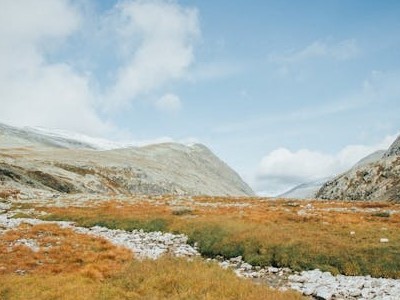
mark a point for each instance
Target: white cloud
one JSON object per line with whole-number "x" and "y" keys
{"x": 283, "y": 169}
{"x": 162, "y": 35}
{"x": 31, "y": 20}
{"x": 32, "y": 90}
{"x": 343, "y": 50}
{"x": 169, "y": 103}
{"x": 156, "y": 37}
{"x": 52, "y": 96}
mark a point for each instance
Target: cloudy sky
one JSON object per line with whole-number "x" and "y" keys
{"x": 284, "y": 91}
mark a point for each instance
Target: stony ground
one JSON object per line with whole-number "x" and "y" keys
{"x": 314, "y": 283}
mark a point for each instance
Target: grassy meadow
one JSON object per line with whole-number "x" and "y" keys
{"x": 340, "y": 237}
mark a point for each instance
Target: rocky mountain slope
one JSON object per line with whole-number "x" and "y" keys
{"x": 33, "y": 164}
{"x": 377, "y": 177}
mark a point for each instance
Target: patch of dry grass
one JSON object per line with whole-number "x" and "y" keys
{"x": 59, "y": 251}
{"x": 170, "y": 278}
{"x": 166, "y": 278}
{"x": 48, "y": 287}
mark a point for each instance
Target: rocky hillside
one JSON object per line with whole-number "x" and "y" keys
{"x": 375, "y": 178}
{"x": 34, "y": 165}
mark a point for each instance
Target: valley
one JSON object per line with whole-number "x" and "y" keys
{"x": 174, "y": 221}
{"x": 277, "y": 243}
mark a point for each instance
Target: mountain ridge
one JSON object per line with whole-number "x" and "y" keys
{"x": 37, "y": 165}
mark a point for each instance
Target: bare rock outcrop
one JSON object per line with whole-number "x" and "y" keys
{"x": 373, "y": 179}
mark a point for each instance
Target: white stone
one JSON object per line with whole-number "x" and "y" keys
{"x": 30, "y": 243}
{"x": 273, "y": 270}
{"x": 224, "y": 265}
{"x": 354, "y": 292}
{"x": 297, "y": 278}
{"x": 246, "y": 266}
{"x": 323, "y": 292}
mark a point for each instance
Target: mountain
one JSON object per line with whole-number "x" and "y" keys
{"x": 306, "y": 190}
{"x": 42, "y": 137}
{"x": 376, "y": 177}
{"x": 38, "y": 163}
{"x": 14, "y": 137}
{"x": 310, "y": 189}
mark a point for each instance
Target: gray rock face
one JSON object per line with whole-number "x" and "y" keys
{"x": 376, "y": 177}
{"x": 31, "y": 169}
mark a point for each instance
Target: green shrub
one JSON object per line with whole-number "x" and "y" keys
{"x": 381, "y": 214}
{"x": 208, "y": 239}
{"x": 21, "y": 215}
{"x": 157, "y": 224}
{"x": 180, "y": 211}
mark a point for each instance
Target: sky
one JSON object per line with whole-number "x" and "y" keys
{"x": 285, "y": 92}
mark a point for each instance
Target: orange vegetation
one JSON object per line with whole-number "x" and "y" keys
{"x": 59, "y": 251}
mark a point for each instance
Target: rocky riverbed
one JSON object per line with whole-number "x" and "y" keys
{"x": 316, "y": 284}
{"x": 323, "y": 285}
{"x": 142, "y": 244}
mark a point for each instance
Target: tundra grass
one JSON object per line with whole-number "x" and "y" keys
{"x": 339, "y": 237}
{"x": 49, "y": 249}
{"x": 66, "y": 265}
